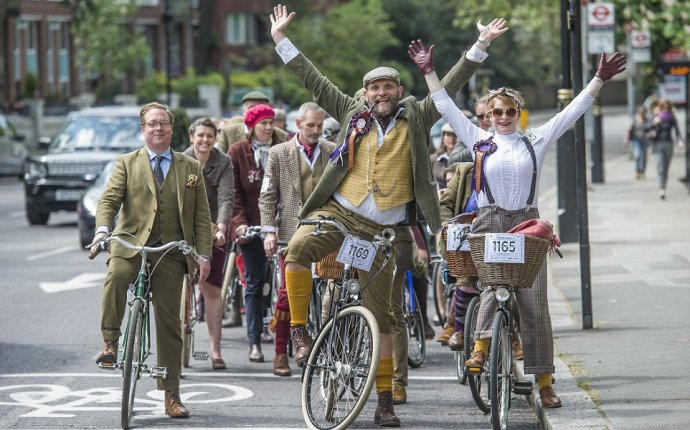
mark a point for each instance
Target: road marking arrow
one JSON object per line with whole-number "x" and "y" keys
{"x": 84, "y": 280}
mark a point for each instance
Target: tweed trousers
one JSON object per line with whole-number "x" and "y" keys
{"x": 532, "y": 303}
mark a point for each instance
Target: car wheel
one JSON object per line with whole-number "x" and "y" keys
{"x": 36, "y": 217}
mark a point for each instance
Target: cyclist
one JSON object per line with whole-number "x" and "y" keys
{"x": 220, "y": 190}
{"x": 292, "y": 171}
{"x": 367, "y": 192}
{"x": 161, "y": 197}
{"x": 506, "y": 178}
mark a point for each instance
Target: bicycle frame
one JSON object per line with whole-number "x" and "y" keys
{"x": 142, "y": 293}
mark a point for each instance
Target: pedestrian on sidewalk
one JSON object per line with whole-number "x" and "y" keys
{"x": 637, "y": 135}
{"x": 664, "y": 124}
{"x": 506, "y": 181}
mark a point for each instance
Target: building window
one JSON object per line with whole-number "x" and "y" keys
{"x": 240, "y": 29}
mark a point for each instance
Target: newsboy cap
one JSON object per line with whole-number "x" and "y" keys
{"x": 255, "y": 95}
{"x": 381, "y": 73}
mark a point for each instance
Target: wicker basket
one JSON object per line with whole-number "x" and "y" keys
{"x": 329, "y": 268}
{"x": 510, "y": 274}
{"x": 459, "y": 262}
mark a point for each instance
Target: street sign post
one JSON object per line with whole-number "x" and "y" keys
{"x": 641, "y": 44}
{"x": 601, "y": 22}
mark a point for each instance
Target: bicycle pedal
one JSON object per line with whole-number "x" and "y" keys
{"x": 109, "y": 366}
{"x": 200, "y": 355}
{"x": 158, "y": 372}
{"x": 523, "y": 388}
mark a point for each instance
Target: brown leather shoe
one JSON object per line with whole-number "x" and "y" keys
{"x": 255, "y": 354}
{"x": 281, "y": 365}
{"x": 218, "y": 364}
{"x": 174, "y": 406}
{"x": 385, "y": 415}
{"x": 301, "y": 343}
{"x": 457, "y": 341}
{"x": 399, "y": 394}
{"x": 518, "y": 354}
{"x": 445, "y": 334}
{"x": 549, "y": 399}
{"x": 108, "y": 357}
{"x": 475, "y": 364}
{"x": 428, "y": 331}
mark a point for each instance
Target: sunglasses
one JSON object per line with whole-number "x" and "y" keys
{"x": 498, "y": 112}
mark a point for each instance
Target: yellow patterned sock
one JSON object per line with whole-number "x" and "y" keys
{"x": 384, "y": 376}
{"x": 298, "y": 285}
{"x": 544, "y": 380}
{"x": 482, "y": 345}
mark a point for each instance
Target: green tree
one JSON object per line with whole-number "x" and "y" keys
{"x": 107, "y": 42}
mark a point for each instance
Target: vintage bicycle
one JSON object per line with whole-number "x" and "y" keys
{"x": 414, "y": 323}
{"x": 137, "y": 335}
{"x": 341, "y": 369}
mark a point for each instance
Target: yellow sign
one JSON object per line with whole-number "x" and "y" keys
{"x": 679, "y": 70}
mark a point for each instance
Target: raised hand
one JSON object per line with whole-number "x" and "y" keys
{"x": 280, "y": 20}
{"x": 496, "y": 27}
{"x": 611, "y": 67}
{"x": 423, "y": 58}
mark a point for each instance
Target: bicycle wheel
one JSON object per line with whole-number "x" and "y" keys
{"x": 416, "y": 343}
{"x": 132, "y": 358}
{"x": 479, "y": 384}
{"x": 314, "y": 316}
{"x": 438, "y": 288}
{"x": 230, "y": 282}
{"x": 460, "y": 371}
{"x": 188, "y": 311}
{"x": 341, "y": 371}
{"x": 501, "y": 371}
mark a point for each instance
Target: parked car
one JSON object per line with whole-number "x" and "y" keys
{"x": 76, "y": 156}
{"x": 86, "y": 207}
{"x": 13, "y": 152}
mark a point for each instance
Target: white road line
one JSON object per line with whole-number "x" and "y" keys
{"x": 49, "y": 253}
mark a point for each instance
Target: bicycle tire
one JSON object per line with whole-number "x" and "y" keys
{"x": 337, "y": 379}
{"x": 229, "y": 284}
{"x": 187, "y": 329}
{"x": 414, "y": 324}
{"x": 436, "y": 283}
{"x": 460, "y": 371}
{"x": 131, "y": 368}
{"x": 479, "y": 384}
{"x": 501, "y": 366}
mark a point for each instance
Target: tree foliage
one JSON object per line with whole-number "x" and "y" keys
{"x": 107, "y": 42}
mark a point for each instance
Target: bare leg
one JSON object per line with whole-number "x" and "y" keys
{"x": 214, "y": 316}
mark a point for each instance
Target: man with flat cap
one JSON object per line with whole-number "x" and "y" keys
{"x": 236, "y": 131}
{"x": 376, "y": 177}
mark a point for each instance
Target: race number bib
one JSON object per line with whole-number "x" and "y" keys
{"x": 504, "y": 248}
{"x": 454, "y": 237}
{"x": 357, "y": 252}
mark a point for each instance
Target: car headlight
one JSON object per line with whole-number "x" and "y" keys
{"x": 37, "y": 170}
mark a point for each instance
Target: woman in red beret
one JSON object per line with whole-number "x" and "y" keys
{"x": 249, "y": 158}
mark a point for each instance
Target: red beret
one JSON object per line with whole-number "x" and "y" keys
{"x": 256, "y": 114}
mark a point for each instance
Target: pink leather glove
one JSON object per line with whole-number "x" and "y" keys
{"x": 612, "y": 67}
{"x": 423, "y": 58}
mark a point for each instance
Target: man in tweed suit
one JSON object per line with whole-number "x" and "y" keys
{"x": 161, "y": 197}
{"x": 292, "y": 171}
{"x": 378, "y": 175}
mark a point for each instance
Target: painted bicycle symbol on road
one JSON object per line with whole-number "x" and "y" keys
{"x": 59, "y": 401}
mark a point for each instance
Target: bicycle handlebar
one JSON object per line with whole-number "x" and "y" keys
{"x": 386, "y": 237}
{"x": 182, "y": 245}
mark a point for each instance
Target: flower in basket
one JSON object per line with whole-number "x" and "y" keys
{"x": 253, "y": 176}
{"x": 191, "y": 181}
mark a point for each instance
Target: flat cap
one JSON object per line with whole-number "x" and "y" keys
{"x": 255, "y": 95}
{"x": 381, "y": 73}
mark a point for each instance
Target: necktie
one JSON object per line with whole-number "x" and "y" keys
{"x": 309, "y": 150}
{"x": 157, "y": 170}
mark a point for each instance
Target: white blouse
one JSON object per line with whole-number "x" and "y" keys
{"x": 509, "y": 170}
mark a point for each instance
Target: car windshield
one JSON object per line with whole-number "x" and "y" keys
{"x": 99, "y": 132}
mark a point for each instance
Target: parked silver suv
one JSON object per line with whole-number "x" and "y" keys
{"x": 88, "y": 140}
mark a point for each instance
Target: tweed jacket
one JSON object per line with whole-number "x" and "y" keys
{"x": 458, "y": 192}
{"x": 248, "y": 177}
{"x": 131, "y": 190}
{"x": 281, "y": 196}
{"x": 234, "y": 132}
{"x": 220, "y": 185}
{"x": 420, "y": 115}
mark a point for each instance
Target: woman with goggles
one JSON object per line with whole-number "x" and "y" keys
{"x": 507, "y": 172}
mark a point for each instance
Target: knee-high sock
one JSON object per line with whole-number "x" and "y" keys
{"x": 482, "y": 345}
{"x": 462, "y": 301}
{"x": 282, "y": 330}
{"x": 298, "y": 286}
{"x": 384, "y": 376}
{"x": 544, "y": 380}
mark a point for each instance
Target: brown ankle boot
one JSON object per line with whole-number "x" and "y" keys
{"x": 301, "y": 343}
{"x": 385, "y": 415}
{"x": 174, "y": 406}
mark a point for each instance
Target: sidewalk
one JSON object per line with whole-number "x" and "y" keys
{"x": 632, "y": 371}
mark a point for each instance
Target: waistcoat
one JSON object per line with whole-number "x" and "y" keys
{"x": 166, "y": 224}
{"x": 309, "y": 177}
{"x": 388, "y": 168}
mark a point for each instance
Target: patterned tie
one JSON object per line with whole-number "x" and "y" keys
{"x": 157, "y": 171}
